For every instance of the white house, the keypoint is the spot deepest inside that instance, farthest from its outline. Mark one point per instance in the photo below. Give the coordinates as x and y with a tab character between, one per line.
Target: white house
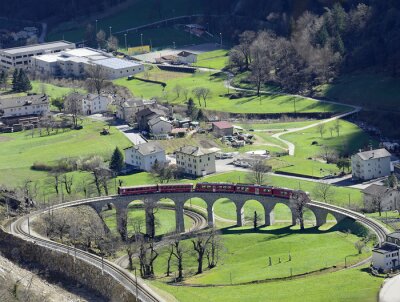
195	161
186	57
25	105
20	57
386	257
143	156
371	164
388	198
160	126
94	103
74	63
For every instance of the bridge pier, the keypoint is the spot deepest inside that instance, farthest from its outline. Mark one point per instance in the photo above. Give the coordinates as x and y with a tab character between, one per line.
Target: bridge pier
210	215
239	215
269	214
294	217
320	217
122	222
179	217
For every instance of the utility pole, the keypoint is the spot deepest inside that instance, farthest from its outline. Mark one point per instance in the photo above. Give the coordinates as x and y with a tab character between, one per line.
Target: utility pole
96	25
126	44
136	285
110	31
141	40
174	45
220	35
29	227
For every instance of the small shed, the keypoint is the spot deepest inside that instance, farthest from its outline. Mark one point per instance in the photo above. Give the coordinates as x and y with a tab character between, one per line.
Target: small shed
222	128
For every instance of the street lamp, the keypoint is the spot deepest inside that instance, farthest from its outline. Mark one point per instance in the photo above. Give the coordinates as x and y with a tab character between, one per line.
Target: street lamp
141	39
96	25
174	45
110	30
126	44
220	35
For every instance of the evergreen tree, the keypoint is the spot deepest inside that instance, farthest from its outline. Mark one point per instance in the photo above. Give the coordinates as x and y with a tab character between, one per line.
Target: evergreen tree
191	108
117	161
3	78
15	86
24	84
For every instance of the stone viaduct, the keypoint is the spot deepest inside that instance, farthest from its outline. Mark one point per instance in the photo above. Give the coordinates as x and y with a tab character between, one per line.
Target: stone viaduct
121	205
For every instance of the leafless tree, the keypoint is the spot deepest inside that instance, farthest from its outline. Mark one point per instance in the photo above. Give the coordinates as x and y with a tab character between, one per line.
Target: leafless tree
324	191
200	244
97	76
147	255
245	40
185	93
337	127
298	201
67	180
205	94
178	251
177	89
213	250
164	173
101	173
259	172
197	92
377	202
72	105
321	129
359	245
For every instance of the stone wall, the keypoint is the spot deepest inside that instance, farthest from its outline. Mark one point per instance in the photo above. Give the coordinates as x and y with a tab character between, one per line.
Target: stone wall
57	263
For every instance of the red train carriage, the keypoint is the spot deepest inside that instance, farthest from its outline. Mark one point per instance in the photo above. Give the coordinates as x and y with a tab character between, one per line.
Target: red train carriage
282	193
266	190
175	188
215	187
137	190
247	189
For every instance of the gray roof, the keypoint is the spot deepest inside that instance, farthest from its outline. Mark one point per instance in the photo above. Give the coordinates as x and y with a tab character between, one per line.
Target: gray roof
36	99
156	119
394	235
185	54
378	153
148	148
192	150
376	190
386	248
38	47
115	63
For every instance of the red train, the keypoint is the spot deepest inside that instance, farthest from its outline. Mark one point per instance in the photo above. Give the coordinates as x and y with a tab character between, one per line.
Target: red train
208	187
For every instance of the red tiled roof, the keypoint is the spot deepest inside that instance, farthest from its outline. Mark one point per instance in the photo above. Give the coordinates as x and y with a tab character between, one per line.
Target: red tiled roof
223	125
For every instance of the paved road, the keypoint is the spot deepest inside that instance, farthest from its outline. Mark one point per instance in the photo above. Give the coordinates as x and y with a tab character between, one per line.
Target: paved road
135	137
390	291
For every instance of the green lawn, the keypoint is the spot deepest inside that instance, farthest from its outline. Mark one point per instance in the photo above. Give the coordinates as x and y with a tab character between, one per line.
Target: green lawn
165	220
139	13
372	91
306	159
275	126
51	90
217	100
217	59
18	151
354	285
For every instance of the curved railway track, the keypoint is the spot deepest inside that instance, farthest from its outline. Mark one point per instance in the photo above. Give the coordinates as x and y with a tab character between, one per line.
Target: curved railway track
145	294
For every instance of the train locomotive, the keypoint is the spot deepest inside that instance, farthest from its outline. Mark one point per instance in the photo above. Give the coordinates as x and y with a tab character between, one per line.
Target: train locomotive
206	187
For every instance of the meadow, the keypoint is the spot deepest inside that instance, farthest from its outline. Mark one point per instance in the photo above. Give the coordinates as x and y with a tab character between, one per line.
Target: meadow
218	100
217	59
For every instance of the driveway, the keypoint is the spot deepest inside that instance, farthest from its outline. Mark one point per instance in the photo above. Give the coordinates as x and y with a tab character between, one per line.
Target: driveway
390	291
135	137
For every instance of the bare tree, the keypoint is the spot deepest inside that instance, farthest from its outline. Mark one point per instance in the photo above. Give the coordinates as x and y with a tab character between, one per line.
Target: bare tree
200	242
205	94
197	92
147	255
359	245
324	191
337	127
177	89
213	251
72	105
298	201
259	171
178	251
185	93
377	202
246	39
164	173
67	180
321	129
97	76
101	173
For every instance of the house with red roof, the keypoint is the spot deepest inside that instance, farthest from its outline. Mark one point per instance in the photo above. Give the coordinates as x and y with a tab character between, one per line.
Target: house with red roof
222	128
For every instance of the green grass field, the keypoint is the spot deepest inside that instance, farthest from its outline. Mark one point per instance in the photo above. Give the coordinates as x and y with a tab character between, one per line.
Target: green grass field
372	91
18	151
217	100
351	138
51	90
354	285
139	13
217	59
165	220
275	126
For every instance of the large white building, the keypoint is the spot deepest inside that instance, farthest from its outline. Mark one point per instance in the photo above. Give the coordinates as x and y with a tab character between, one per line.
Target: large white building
195	161
386	257
144	156
20	57
371	164
74	63
23	106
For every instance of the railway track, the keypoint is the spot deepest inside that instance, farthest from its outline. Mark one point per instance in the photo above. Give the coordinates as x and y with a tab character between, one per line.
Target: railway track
145	294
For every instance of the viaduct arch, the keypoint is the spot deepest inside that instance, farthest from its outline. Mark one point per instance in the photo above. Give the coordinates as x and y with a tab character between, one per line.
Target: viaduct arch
180	199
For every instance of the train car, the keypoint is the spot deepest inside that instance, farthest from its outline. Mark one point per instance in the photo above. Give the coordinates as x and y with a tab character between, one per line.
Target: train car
282	193
147	189
175	188
215	187
247	189
266	190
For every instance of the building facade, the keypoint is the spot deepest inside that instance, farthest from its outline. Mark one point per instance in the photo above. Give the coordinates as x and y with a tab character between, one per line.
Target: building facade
371	164
195	161
20	57
386	257
222	128
75	62
144	156
24	106
160	126
388	199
